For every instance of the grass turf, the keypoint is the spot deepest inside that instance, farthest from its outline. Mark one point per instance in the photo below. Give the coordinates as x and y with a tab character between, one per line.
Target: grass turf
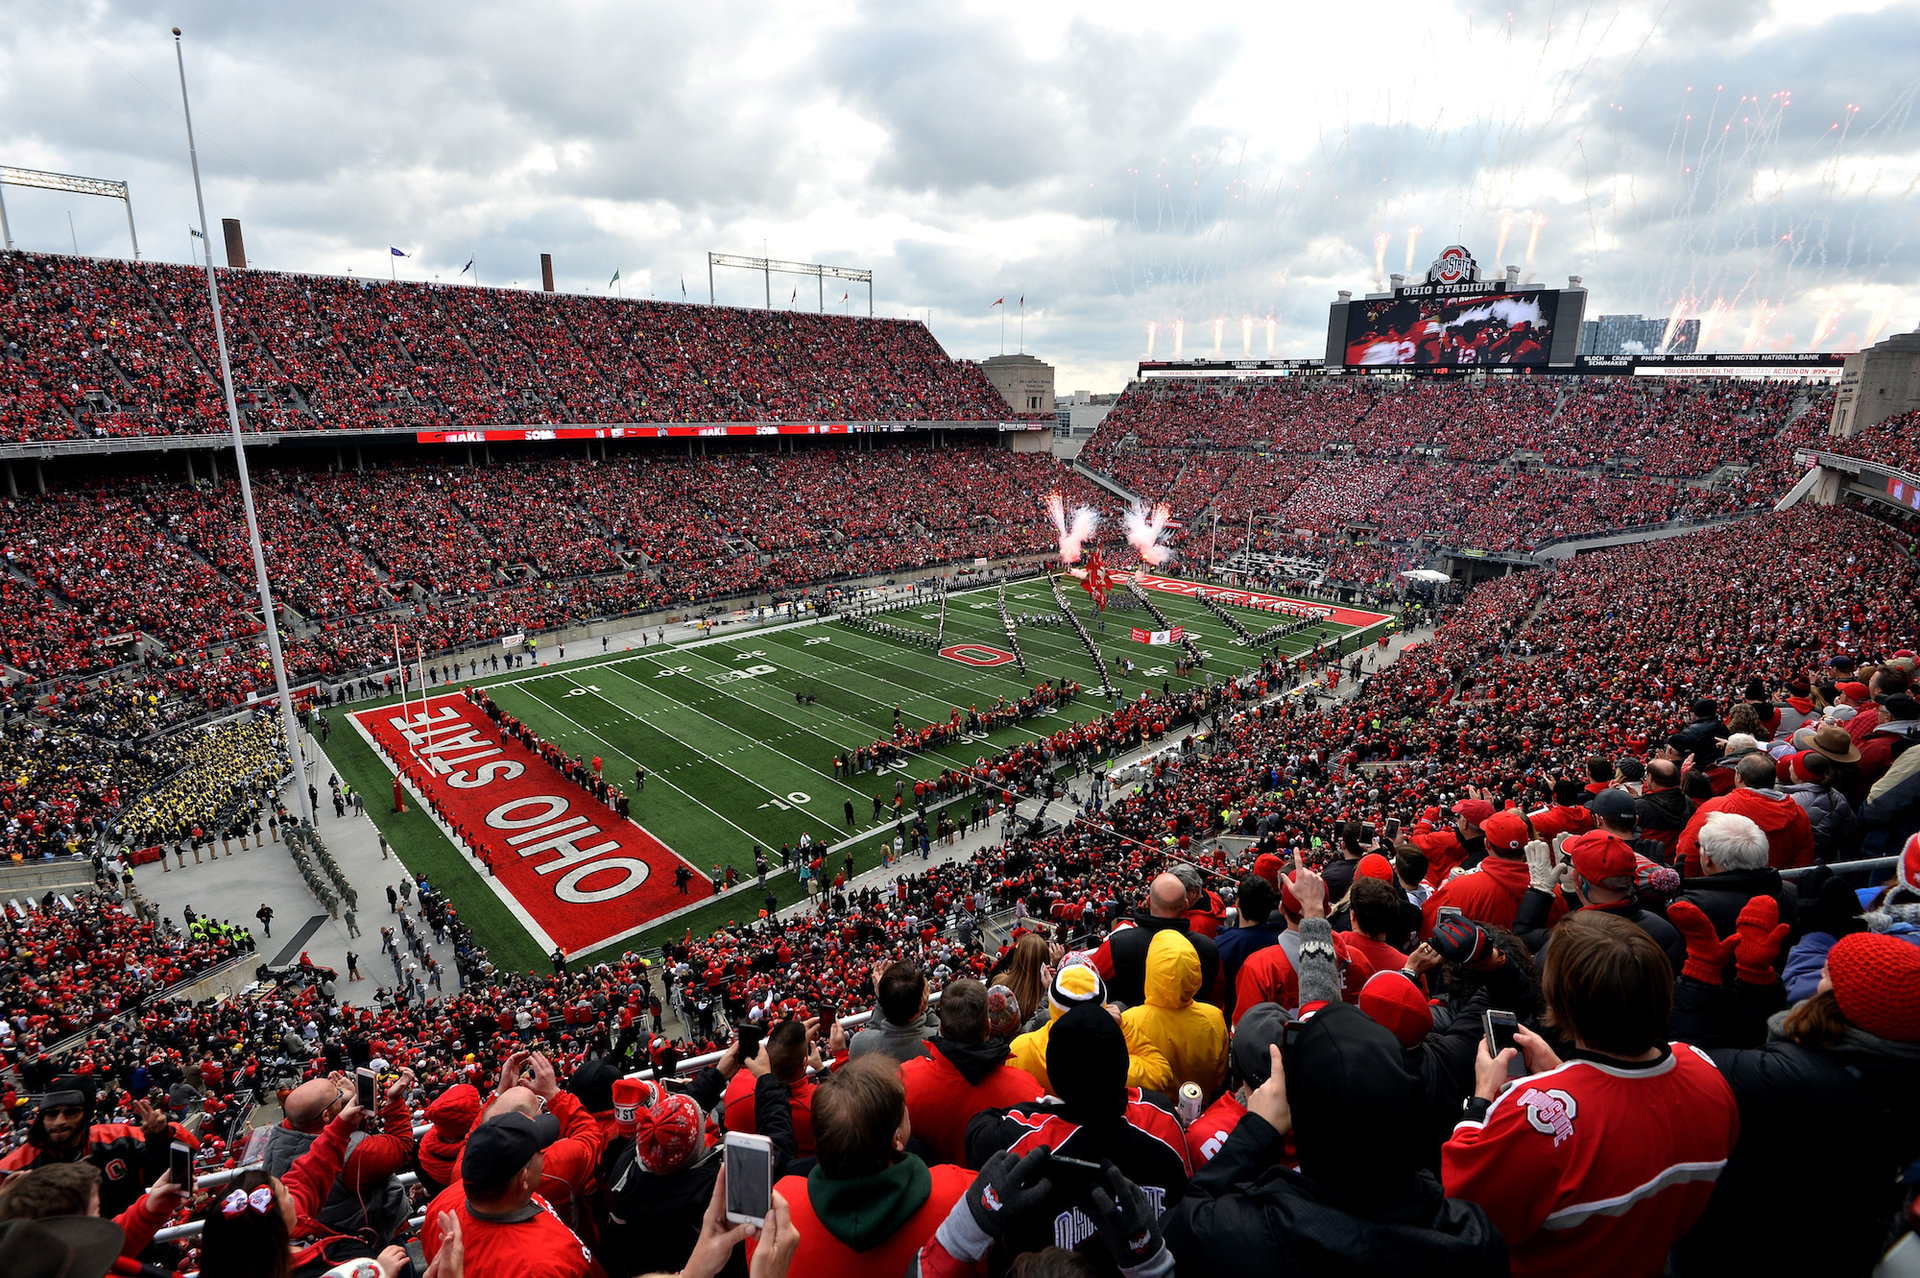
733	759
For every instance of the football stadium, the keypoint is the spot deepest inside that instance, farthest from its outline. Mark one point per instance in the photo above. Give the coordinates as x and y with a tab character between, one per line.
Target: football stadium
580	779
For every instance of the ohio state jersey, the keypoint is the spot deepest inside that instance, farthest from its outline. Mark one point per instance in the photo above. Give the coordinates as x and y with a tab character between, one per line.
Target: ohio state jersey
1597	1168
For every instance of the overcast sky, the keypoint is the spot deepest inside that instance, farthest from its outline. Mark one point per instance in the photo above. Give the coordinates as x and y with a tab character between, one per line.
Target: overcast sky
1206	173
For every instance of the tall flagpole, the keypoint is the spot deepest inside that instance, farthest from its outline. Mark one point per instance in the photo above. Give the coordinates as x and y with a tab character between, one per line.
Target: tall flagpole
267	611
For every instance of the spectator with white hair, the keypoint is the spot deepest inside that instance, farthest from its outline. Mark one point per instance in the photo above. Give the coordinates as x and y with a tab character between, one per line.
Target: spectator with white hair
1734	869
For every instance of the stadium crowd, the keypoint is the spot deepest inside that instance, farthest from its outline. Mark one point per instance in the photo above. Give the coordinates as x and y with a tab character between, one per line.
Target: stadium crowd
1596	797
97	347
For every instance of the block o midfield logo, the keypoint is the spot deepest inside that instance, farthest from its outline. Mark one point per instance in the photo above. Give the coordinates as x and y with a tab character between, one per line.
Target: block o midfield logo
976	654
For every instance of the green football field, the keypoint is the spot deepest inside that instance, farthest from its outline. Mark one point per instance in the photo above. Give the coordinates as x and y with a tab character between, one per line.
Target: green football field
733	759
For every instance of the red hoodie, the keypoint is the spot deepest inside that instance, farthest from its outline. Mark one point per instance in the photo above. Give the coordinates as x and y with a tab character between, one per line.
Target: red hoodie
1789	832
1489	893
941	1100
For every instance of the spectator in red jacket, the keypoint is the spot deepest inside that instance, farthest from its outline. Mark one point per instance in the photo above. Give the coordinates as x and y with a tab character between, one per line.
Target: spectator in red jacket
1568	813
1461	845
366	1196
129	1157
1490	893
1789	832
786	1048
507	1230
965	1072
449	1119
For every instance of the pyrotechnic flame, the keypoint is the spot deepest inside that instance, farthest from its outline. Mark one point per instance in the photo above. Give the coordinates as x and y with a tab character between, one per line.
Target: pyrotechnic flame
1413	247
1071	530
1143	533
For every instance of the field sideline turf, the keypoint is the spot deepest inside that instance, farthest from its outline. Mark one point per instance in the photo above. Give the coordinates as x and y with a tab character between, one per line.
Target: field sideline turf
733	760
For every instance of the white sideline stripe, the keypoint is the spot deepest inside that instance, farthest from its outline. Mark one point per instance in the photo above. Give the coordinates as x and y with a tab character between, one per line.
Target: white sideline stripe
1620	1204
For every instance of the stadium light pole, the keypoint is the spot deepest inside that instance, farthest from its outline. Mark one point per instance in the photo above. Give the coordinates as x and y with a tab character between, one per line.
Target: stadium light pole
267	612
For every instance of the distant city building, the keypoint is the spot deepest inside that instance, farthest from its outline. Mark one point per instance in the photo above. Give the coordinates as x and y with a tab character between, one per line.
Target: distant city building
1637	335
1078	415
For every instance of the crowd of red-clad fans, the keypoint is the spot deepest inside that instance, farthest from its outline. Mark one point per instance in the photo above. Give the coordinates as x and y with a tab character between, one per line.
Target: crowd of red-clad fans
1893	442
1510	464
100	348
1532	963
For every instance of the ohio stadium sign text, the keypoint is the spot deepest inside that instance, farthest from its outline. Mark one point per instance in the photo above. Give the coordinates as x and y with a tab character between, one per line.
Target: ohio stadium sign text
574	871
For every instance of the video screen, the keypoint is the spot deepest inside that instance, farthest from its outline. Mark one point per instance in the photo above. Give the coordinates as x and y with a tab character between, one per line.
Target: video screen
1498	328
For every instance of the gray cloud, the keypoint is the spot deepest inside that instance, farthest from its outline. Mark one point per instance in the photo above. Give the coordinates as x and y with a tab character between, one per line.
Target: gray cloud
1118	173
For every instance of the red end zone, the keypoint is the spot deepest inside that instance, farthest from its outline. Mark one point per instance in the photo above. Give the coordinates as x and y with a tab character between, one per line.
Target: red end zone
574	871
1354	617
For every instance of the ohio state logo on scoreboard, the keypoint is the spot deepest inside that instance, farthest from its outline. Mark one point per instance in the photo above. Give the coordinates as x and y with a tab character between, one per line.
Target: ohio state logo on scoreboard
1454	266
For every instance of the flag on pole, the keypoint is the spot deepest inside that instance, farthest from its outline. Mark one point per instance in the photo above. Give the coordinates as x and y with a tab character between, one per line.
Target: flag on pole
614	280
1097	581
683	288
845	296
467	267
796	295
998	301
1023	301
396	252
195	233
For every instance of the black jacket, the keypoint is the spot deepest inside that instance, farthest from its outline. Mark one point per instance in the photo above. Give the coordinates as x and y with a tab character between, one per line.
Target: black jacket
1530	925
1144	1142
1127	950
1700	739
1663	810
1824	1132
1244	1210
1721	897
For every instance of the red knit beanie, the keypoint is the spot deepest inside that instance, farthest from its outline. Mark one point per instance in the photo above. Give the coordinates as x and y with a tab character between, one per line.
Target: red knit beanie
1374	866
1397	1003
667	1133
1289	903
1910	864
1268	867
1876	978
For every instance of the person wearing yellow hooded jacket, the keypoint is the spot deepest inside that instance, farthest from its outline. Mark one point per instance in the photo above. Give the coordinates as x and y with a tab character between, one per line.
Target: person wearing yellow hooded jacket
1191	1036
1073	986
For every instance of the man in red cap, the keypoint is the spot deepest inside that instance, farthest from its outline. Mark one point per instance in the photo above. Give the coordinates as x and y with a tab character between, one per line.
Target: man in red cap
1866	711
1490	893
1600	874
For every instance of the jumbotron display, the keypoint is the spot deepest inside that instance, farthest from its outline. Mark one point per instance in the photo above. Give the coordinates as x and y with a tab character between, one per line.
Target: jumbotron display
1455	319
1500	328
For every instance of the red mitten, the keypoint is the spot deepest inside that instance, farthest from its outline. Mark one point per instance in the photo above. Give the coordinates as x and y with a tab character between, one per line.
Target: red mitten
1759	935
1707	954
